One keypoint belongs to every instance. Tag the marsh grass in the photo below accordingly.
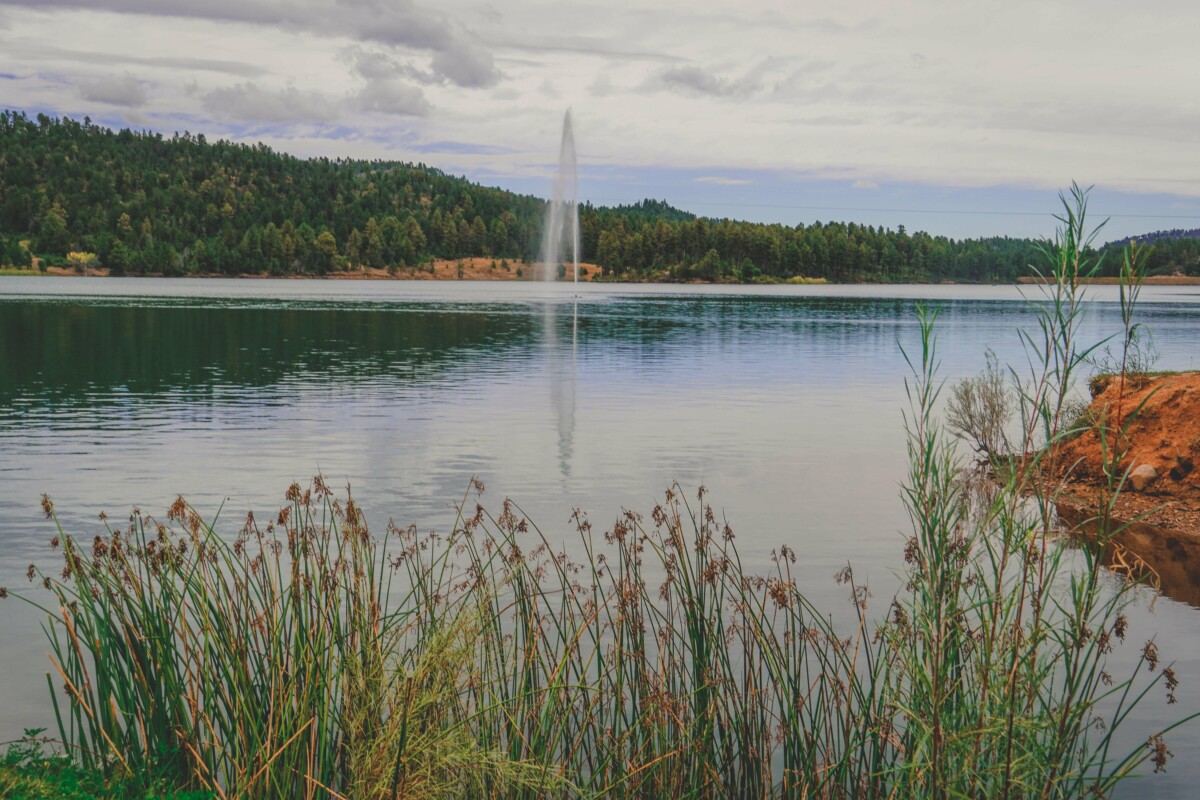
(310, 658)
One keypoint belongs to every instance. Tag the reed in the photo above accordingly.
(310, 658)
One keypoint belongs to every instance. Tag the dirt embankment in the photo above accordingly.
(468, 269)
(1158, 513)
(462, 269)
(1163, 418)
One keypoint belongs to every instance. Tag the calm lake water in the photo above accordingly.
(786, 402)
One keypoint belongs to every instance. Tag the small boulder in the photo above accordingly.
(1143, 476)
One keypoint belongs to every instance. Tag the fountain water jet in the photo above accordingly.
(562, 215)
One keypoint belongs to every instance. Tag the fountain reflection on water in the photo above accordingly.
(562, 360)
(562, 215)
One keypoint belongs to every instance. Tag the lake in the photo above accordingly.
(785, 402)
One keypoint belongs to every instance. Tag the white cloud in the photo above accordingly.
(717, 180)
(864, 184)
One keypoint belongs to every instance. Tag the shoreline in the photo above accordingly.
(482, 269)
(472, 269)
(1152, 280)
(447, 271)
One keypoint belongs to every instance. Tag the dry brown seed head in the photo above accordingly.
(1158, 752)
(777, 590)
(1150, 653)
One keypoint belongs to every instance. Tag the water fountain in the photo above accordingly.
(562, 215)
(561, 231)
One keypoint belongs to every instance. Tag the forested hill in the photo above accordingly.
(1168, 252)
(146, 203)
(1159, 236)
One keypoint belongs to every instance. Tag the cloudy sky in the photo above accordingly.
(962, 118)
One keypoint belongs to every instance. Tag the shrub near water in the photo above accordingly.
(309, 658)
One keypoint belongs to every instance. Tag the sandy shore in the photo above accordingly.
(1154, 280)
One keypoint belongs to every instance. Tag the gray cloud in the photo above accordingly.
(578, 45)
(124, 90)
(457, 57)
(697, 81)
(391, 97)
(249, 102)
(602, 86)
(373, 65)
(384, 92)
(466, 67)
(48, 52)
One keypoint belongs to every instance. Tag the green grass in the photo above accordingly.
(19, 271)
(29, 772)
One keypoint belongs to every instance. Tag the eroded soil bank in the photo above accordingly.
(1158, 514)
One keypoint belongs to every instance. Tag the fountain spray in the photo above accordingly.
(562, 215)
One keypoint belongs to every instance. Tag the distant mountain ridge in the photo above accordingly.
(1157, 236)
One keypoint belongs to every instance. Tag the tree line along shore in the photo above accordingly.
(85, 198)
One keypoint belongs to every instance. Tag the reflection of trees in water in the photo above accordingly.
(56, 351)
(64, 353)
